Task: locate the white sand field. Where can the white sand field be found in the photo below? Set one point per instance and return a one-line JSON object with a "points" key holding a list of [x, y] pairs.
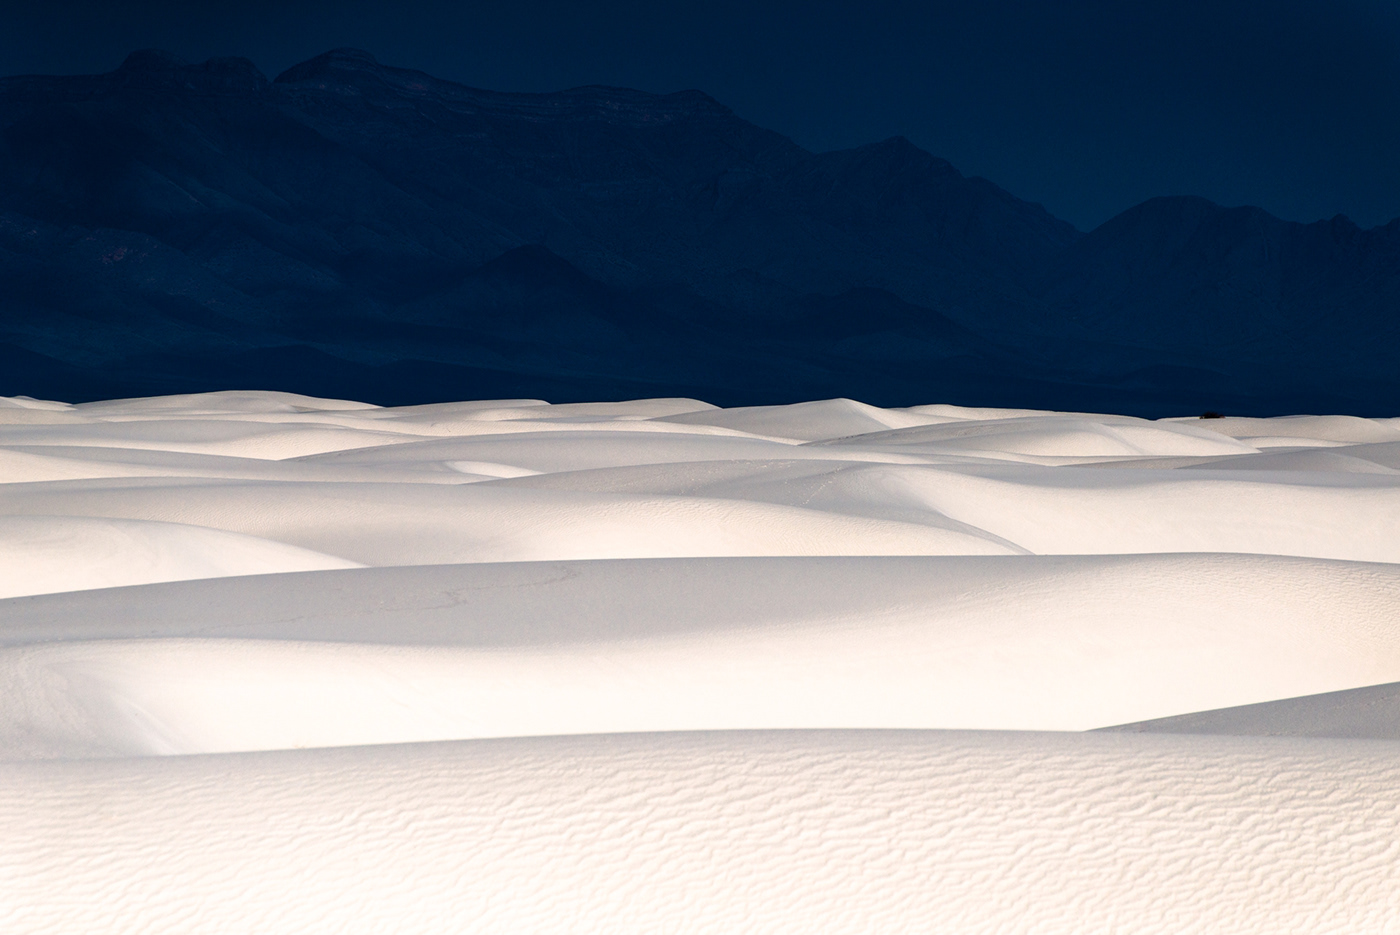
{"points": [[271, 663]]}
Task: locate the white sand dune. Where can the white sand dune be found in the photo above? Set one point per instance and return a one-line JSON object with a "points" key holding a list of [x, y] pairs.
{"points": [[814, 421], [1371, 712], [769, 632], [46, 554], [1308, 430], [786, 832], [409, 524], [538, 648], [1051, 435], [231, 436]]}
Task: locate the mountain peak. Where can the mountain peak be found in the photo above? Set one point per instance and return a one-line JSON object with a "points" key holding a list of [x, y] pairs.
{"points": [[901, 148], [341, 63]]}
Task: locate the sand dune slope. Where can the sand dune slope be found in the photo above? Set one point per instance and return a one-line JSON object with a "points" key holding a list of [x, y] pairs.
{"points": [[830, 831], [498, 650]]}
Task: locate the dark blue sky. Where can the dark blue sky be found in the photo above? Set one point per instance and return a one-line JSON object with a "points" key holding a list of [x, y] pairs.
{"points": [[1087, 106]]}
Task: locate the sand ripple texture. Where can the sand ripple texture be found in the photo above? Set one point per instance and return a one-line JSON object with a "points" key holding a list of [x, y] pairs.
{"points": [[281, 664]]}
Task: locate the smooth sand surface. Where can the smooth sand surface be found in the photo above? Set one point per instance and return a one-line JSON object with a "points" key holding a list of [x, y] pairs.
{"points": [[1371, 713]]}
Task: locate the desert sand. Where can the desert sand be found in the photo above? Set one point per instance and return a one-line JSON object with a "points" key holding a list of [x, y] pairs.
{"points": [[283, 664]]}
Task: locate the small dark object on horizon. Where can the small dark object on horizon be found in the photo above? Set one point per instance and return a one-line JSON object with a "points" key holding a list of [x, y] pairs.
{"points": [[1212, 415]]}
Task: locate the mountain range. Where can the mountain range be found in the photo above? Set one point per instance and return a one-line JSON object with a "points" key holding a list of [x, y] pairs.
{"points": [[356, 230]]}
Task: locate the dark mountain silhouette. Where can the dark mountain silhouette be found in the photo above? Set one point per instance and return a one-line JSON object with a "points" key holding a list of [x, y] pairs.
{"points": [[358, 230], [1187, 277]]}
